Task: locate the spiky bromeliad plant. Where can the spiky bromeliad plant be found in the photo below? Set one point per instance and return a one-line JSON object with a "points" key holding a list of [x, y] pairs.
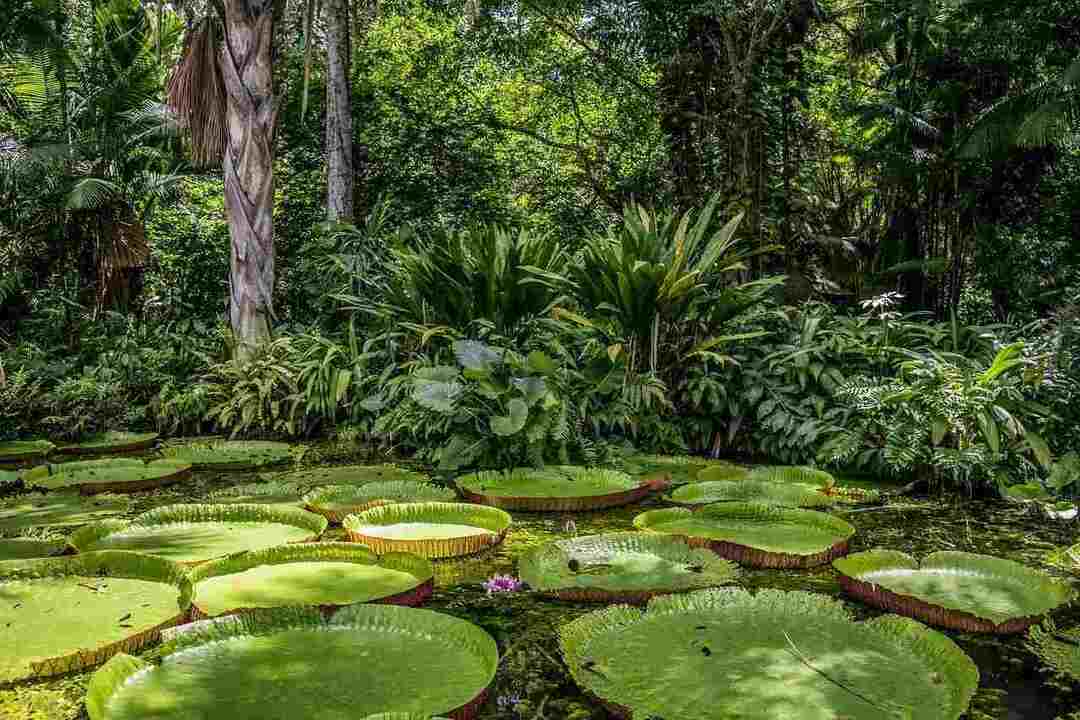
{"points": [[555, 488], [71, 613], [432, 529], [191, 534], [427, 663], [622, 567], [754, 534], [958, 590], [725, 653], [91, 477], [323, 575], [335, 502]]}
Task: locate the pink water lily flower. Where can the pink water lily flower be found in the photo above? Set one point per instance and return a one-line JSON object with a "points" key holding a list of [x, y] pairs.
{"points": [[502, 583]]}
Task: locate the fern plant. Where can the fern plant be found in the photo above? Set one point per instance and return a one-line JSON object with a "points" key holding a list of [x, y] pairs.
{"points": [[258, 395], [943, 419]]}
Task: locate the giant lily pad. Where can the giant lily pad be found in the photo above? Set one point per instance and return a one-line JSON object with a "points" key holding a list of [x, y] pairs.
{"points": [[724, 653], [324, 575], [19, 452], [91, 477], [754, 534], [813, 479], [195, 533], [111, 442], [561, 488], [679, 469], [64, 614], [432, 530], [311, 478], [750, 490], [1058, 649], [9, 479], [266, 493], [57, 510], [622, 567], [334, 502], [24, 548], [964, 591], [299, 665], [226, 455]]}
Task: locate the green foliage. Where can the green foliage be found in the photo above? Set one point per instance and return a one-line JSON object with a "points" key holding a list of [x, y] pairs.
{"points": [[944, 418]]}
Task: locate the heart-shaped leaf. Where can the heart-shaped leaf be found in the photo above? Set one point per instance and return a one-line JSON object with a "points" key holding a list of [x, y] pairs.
{"points": [[511, 424]]}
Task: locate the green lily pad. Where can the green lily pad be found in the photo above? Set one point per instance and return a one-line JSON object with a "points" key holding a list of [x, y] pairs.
{"points": [[91, 477], [750, 490], [622, 567], [298, 665], [679, 469], [754, 534], [18, 452], [71, 613], [226, 455], [192, 534], [724, 653], [57, 510], [334, 502], [556, 488], [813, 479], [9, 479], [431, 530], [310, 574], [266, 493], [26, 548], [111, 442], [311, 478], [1067, 557], [964, 591], [1058, 649]]}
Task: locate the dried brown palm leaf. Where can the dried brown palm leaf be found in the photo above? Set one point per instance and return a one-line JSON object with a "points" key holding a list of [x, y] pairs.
{"points": [[196, 93]]}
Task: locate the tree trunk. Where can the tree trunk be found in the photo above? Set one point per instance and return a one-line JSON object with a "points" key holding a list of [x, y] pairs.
{"points": [[339, 127], [251, 114]]}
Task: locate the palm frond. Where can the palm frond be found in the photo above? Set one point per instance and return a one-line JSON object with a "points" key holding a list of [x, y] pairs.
{"points": [[196, 93]]}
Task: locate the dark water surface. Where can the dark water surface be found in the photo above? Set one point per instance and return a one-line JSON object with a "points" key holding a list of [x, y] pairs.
{"points": [[532, 683]]}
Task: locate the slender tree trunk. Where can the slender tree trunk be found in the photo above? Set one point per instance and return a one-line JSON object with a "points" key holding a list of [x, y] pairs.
{"points": [[251, 114], [339, 126]]}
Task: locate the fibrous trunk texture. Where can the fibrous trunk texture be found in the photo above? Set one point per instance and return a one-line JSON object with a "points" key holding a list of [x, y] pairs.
{"points": [[251, 114], [339, 127]]}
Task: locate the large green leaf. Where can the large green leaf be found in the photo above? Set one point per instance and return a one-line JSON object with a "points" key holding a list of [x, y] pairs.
{"points": [[365, 659], [310, 478], [57, 510], [264, 493], [514, 421], [437, 395], [336, 501], [14, 451], [306, 574], [1000, 592], [625, 567], [111, 442], [476, 356], [722, 654], [431, 529], [231, 454], [752, 490], [114, 475], [66, 614], [196, 533], [556, 487], [755, 534]]}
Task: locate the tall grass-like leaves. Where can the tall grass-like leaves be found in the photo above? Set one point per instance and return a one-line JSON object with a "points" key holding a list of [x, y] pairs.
{"points": [[654, 268]]}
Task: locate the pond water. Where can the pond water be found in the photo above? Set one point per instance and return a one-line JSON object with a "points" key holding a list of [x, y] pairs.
{"points": [[532, 683]]}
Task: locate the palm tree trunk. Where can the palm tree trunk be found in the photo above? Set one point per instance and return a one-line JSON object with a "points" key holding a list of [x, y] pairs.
{"points": [[251, 114], [339, 127]]}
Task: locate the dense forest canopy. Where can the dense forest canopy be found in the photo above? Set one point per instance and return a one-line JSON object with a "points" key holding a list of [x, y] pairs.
{"points": [[811, 230]]}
